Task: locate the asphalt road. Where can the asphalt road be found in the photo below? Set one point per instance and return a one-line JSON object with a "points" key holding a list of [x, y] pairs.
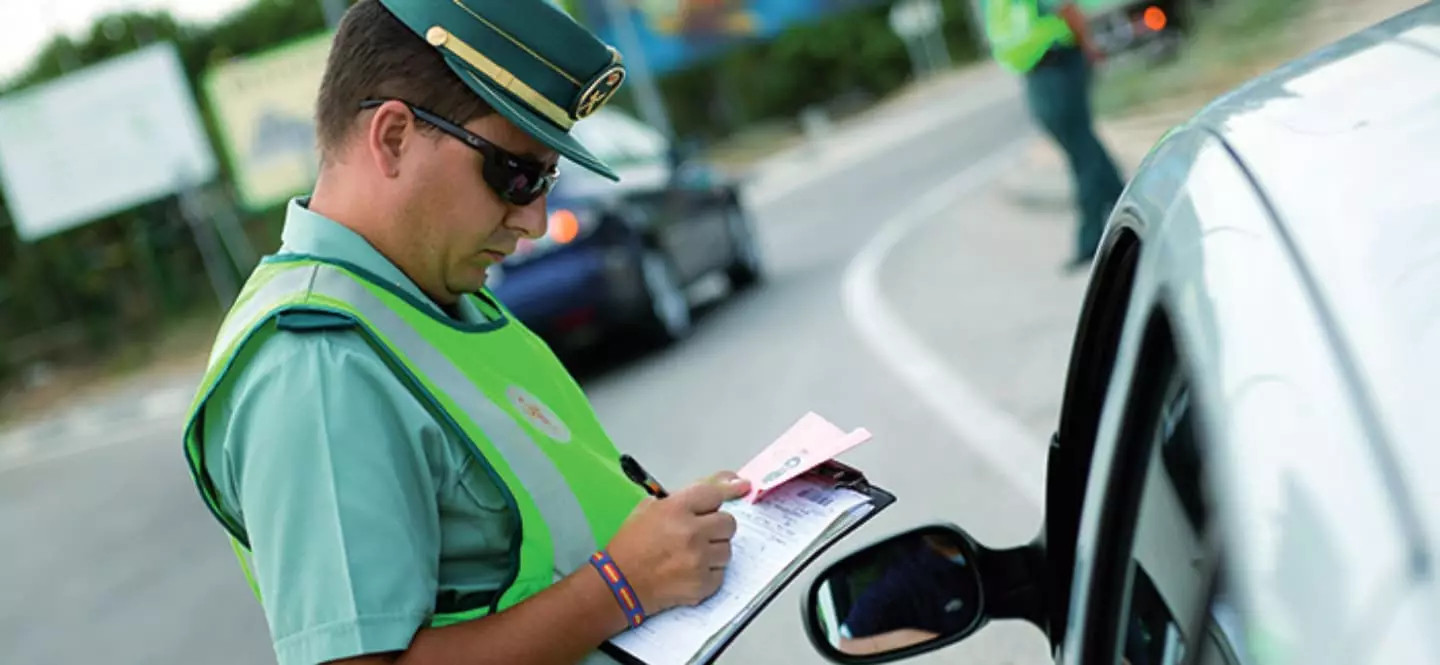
{"points": [[109, 556]]}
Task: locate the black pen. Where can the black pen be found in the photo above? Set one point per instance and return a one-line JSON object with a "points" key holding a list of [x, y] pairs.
{"points": [[642, 477]]}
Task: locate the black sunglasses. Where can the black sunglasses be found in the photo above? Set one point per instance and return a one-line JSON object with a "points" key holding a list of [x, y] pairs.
{"points": [[517, 180]]}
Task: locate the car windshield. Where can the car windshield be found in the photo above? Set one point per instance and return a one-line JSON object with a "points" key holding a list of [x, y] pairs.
{"points": [[619, 139], [616, 139]]}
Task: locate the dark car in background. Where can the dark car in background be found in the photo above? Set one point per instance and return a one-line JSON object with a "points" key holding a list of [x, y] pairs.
{"points": [[620, 259], [1142, 26]]}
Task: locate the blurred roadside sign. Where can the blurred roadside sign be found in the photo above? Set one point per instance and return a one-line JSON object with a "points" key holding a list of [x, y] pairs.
{"points": [[911, 19], [99, 140], [264, 109], [919, 24]]}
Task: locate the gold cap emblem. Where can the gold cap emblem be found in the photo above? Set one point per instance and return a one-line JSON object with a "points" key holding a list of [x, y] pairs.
{"points": [[598, 91]]}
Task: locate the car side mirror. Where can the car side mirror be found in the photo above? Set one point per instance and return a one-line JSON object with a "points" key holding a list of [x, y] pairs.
{"points": [[917, 592]]}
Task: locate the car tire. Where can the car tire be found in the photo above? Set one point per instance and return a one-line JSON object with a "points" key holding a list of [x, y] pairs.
{"points": [[745, 270], [668, 316]]}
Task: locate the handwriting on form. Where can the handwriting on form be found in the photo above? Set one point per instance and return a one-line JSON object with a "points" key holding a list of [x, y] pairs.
{"points": [[771, 535]]}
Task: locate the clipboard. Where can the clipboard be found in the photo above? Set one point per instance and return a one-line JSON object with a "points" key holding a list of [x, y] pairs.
{"points": [[833, 475]]}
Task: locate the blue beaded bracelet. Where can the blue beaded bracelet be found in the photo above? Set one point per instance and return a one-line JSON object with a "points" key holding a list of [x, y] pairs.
{"points": [[624, 594]]}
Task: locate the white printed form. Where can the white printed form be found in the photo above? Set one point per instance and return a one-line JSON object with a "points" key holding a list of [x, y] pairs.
{"points": [[771, 534]]}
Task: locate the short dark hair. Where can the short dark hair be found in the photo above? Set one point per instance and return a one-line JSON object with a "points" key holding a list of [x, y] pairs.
{"points": [[374, 55]]}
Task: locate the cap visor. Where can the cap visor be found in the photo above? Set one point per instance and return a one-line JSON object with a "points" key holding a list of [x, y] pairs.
{"points": [[529, 121]]}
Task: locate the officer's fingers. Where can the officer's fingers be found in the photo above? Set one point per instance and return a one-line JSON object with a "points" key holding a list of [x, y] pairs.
{"points": [[729, 481], [707, 495], [709, 583], [718, 526], [702, 498], [719, 477], [734, 486], [717, 554]]}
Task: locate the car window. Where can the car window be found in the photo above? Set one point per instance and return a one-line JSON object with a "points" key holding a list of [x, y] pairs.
{"points": [[1175, 598], [637, 152], [1166, 575], [619, 139], [1223, 638], [576, 182]]}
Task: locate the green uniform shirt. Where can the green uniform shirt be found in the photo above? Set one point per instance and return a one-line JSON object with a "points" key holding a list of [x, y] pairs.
{"points": [[364, 516]]}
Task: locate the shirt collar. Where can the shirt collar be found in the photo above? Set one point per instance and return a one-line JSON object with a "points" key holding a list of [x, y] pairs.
{"points": [[309, 232]]}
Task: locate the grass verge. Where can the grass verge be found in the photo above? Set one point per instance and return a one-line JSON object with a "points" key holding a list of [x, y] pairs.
{"points": [[182, 346], [1232, 41]]}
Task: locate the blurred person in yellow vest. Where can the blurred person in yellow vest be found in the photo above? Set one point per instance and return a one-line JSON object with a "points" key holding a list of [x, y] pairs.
{"points": [[1048, 42], [406, 473]]}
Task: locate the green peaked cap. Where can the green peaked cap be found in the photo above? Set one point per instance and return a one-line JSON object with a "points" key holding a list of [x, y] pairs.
{"points": [[528, 59]]}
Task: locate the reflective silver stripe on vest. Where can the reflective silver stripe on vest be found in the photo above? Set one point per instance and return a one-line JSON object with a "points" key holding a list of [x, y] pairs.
{"points": [[284, 285], [570, 532]]}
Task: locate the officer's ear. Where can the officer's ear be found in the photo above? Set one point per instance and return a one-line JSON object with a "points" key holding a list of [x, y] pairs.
{"points": [[390, 130]]}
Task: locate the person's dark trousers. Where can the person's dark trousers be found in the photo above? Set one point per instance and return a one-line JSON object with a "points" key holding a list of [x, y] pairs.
{"points": [[1058, 91]]}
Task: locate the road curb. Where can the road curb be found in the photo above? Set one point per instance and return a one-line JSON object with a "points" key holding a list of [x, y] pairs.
{"points": [[96, 419]]}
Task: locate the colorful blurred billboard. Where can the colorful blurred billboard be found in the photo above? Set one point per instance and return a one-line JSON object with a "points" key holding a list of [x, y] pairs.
{"points": [[676, 34], [264, 109]]}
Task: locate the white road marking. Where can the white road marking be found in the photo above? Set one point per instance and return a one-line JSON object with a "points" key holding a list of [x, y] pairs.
{"points": [[18, 449], [160, 413], [169, 402], [999, 437], [132, 433], [87, 424]]}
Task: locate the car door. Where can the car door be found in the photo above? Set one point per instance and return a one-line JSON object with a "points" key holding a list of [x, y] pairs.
{"points": [[1113, 302], [1158, 557], [1236, 510]]}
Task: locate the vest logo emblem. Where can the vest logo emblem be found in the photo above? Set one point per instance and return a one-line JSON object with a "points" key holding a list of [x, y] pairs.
{"points": [[537, 414]]}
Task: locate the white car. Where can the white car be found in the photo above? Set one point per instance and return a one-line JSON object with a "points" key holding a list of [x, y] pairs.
{"points": [[1246, 466]]}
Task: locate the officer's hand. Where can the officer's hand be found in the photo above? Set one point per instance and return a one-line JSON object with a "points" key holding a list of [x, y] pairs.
{"points": [[674, 550]]}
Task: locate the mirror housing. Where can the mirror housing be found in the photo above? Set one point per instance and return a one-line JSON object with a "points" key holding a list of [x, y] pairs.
{"points": [[919, 591]]}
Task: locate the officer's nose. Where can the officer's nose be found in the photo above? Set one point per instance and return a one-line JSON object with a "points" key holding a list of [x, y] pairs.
{"points": [[529, 220]]}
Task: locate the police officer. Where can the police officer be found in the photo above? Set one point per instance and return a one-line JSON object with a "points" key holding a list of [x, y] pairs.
{"points": [[407, 474], [1048, 42]]}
